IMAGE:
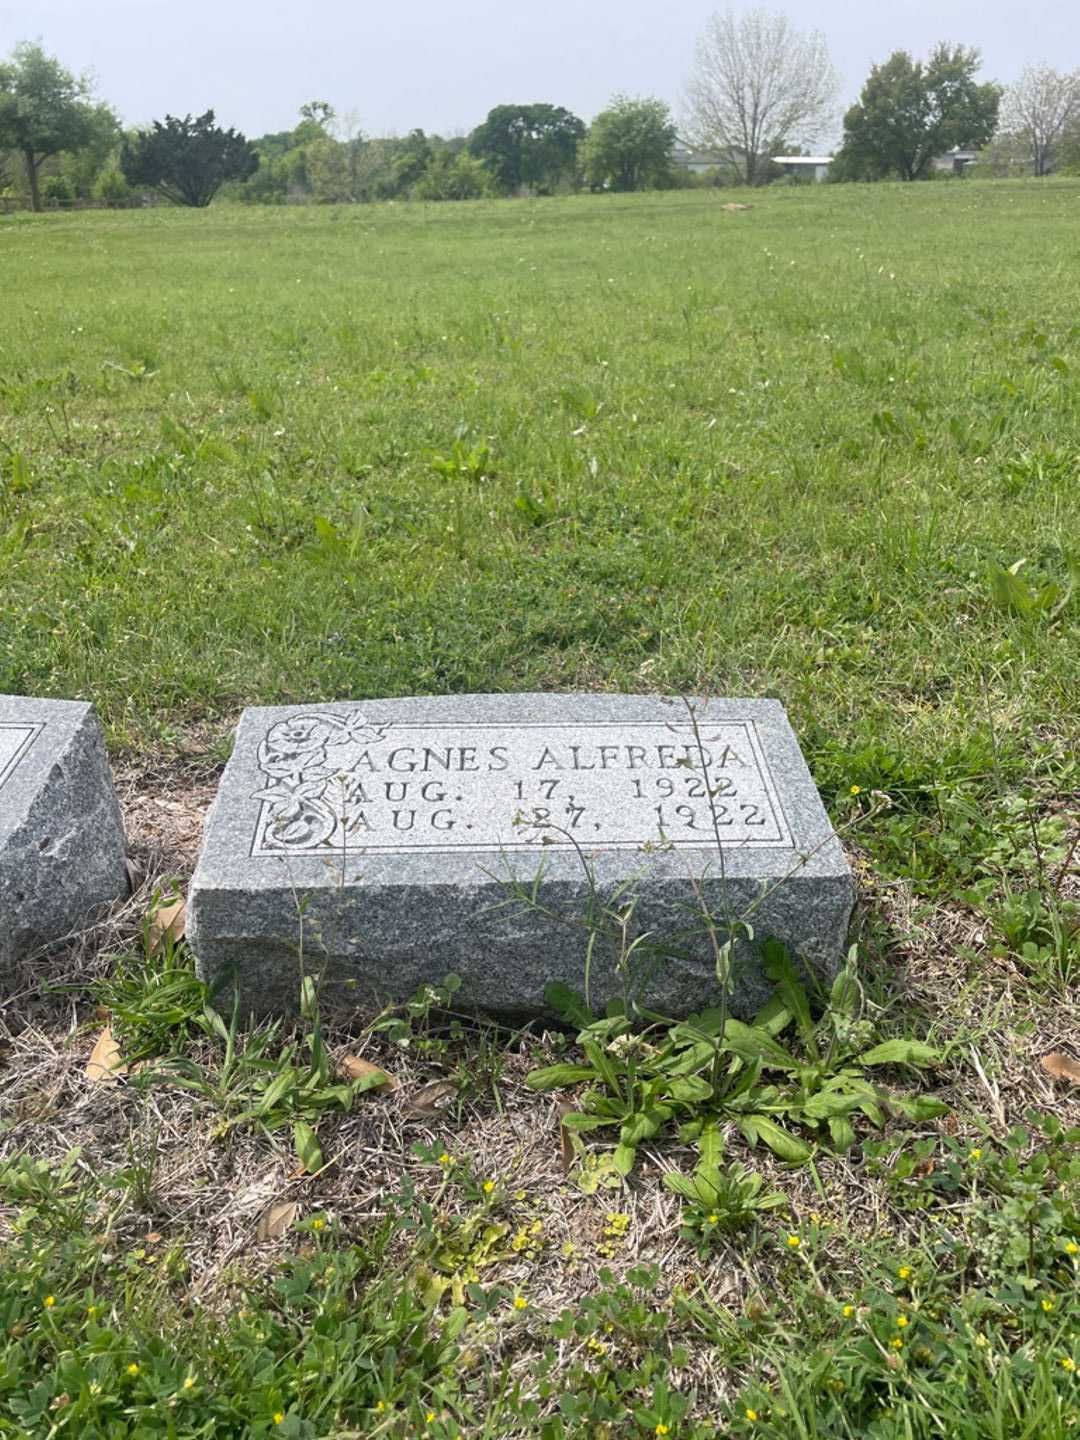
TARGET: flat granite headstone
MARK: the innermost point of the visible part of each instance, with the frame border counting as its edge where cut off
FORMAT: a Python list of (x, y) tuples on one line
[(62, 850), (376, 845)]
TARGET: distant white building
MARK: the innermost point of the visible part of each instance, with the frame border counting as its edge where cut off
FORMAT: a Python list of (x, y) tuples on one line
[(956, 160), (694, 159), (811, 167)]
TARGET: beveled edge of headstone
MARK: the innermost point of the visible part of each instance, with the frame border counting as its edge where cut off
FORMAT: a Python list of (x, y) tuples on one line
[(225, 861), (62, 842), (55, 724)]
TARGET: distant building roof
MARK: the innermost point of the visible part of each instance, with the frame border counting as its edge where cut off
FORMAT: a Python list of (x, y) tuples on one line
[(802, 159)]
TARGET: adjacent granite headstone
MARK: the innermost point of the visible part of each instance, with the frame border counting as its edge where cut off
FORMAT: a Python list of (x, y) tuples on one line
[(382, 845), (62, 850)]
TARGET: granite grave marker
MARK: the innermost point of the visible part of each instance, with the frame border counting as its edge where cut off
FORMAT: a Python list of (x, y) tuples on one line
[(62, 850), (376, 843)]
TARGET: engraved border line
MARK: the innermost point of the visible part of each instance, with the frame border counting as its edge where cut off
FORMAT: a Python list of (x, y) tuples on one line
[(783, 841), (33, 730)]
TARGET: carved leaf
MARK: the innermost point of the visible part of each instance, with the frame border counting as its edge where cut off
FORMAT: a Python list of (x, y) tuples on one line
[(275, 796)]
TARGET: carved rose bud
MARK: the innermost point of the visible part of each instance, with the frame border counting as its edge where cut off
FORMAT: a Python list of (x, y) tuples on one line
[(284, 763)]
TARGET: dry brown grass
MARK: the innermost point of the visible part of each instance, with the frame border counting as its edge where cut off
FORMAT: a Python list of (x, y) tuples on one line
[(208, 1189)]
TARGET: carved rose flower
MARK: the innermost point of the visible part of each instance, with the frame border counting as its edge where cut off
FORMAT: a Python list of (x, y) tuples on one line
[(299, 734)]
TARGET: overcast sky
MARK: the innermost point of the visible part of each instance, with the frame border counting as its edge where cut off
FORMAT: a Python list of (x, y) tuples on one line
[(397, 64)]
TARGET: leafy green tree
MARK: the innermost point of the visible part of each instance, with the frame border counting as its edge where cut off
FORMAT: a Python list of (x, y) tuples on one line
[(81, 168), (1069, 151), (319, 113), (528, 145), (629, 144), (909, 112), (453, 176), (411, 160), (45, 111), (188, 160), (288, 158), (328, 172)]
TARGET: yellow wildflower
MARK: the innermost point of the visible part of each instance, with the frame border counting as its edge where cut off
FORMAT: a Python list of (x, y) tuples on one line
[(661, 1428), (713, 1219), (793, 1242), (1068, 1363), (520, 1303), (445, 1159), (751, 1415), (975, 1154), (896, 1343), (133, 1369), (1072, 1248), (50, 1301), (848, 1311), (856, 789), (189, 1383), (1047, 1306), (318, 1224), (904, 1272), (489, 1186), (279, 1417), (429, 1417)]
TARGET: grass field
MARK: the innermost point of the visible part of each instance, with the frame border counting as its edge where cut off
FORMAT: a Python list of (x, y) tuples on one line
[(826, 449)]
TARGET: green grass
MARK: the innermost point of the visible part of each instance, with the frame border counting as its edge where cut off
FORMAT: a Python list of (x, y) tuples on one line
[(605, 442), (768, 452)]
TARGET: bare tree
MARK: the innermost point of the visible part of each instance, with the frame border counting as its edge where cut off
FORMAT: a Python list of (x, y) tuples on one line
[(1038, 110), (758, 86)]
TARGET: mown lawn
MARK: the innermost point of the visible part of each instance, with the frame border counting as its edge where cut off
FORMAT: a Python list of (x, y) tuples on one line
[(826, 449)]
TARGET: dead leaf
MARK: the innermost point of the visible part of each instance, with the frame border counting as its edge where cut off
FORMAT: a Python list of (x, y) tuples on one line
[(734, 205), (430, 1099), (566, 1139), (276, 1219), (168, 922), (105, 1066), (1062, 1067), (357, 1069)]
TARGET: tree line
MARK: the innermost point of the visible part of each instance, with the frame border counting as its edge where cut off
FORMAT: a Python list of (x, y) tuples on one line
[(757, 89)]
